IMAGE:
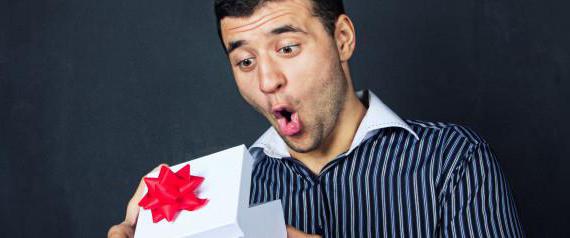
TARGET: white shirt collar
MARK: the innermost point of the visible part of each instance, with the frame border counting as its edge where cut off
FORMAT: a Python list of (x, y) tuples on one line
[(377, 116)]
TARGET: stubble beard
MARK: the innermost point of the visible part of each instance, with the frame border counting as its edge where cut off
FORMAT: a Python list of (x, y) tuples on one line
[(326, 111)]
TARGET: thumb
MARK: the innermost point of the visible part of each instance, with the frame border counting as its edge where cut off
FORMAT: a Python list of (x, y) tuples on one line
[(293, 232), (133, 206)]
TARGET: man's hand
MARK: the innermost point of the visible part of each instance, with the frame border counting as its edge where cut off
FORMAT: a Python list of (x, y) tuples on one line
[(292, 232), (126, 229)]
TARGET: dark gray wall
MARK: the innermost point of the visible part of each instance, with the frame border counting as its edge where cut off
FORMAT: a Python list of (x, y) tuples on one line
[(93, 94)]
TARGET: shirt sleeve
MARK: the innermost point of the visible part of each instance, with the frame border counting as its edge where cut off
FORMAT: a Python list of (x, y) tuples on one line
[(479, 202)]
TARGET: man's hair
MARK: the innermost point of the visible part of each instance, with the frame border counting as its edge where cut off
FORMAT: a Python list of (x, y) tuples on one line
[(326, 10)]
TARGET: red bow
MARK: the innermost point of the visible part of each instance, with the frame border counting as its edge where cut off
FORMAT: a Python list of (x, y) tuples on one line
[(172, 192)]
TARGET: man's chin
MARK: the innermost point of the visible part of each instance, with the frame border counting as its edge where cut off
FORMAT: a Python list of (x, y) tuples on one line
[(300, 143), (299, 148)]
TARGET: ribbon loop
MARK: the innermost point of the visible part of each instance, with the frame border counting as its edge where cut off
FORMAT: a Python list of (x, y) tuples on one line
[(172, 192)]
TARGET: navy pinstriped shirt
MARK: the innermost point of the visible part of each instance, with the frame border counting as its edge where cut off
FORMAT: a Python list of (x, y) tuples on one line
[(400, 178)]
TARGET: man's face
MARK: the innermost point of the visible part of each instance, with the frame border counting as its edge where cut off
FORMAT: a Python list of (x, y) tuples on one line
[(286, 65)]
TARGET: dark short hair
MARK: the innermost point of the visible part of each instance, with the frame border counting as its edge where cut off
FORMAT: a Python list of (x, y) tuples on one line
[(326, 10)]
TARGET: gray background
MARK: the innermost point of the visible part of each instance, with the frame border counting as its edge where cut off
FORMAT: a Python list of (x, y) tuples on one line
[(93, 94)]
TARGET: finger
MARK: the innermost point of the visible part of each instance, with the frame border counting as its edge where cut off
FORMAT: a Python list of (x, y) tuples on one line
[(293, 232), (133, 206), (122, 230)]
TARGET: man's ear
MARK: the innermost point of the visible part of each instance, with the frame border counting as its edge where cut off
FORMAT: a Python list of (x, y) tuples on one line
[(345, 37)]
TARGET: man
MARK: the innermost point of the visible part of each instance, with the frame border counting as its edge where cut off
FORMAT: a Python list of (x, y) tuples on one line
[(342, 163)]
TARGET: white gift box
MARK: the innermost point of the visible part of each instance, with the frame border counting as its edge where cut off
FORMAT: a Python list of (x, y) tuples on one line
[(227, 214)]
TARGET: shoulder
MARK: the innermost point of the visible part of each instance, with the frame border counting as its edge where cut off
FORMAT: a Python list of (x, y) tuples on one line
[(446, 132), (453, 147), (459, 148)]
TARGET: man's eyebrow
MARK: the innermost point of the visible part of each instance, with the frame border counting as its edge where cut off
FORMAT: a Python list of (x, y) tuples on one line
[(285, 29), (234, 45)]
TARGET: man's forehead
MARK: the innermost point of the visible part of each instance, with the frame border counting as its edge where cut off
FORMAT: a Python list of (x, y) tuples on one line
[(269, 12)]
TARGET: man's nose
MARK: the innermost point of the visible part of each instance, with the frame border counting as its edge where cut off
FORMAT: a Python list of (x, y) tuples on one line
[(271, 78)]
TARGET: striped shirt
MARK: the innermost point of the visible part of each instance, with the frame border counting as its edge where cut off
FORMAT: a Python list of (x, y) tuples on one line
[(400, 178)]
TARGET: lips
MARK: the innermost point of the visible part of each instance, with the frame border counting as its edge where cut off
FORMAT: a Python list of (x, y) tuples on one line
[(287, 120)]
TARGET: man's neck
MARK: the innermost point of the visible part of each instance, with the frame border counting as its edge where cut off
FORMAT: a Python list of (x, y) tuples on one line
[(339, 140)]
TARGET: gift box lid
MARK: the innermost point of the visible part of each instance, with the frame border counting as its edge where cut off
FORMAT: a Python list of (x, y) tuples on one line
[(226, 185)]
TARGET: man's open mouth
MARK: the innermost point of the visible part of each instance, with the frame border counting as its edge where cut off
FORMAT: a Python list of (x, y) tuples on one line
[(287, 120), (283, 113)]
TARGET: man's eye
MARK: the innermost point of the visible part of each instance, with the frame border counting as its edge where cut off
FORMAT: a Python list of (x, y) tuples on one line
[(288, 50), (245, 63)]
